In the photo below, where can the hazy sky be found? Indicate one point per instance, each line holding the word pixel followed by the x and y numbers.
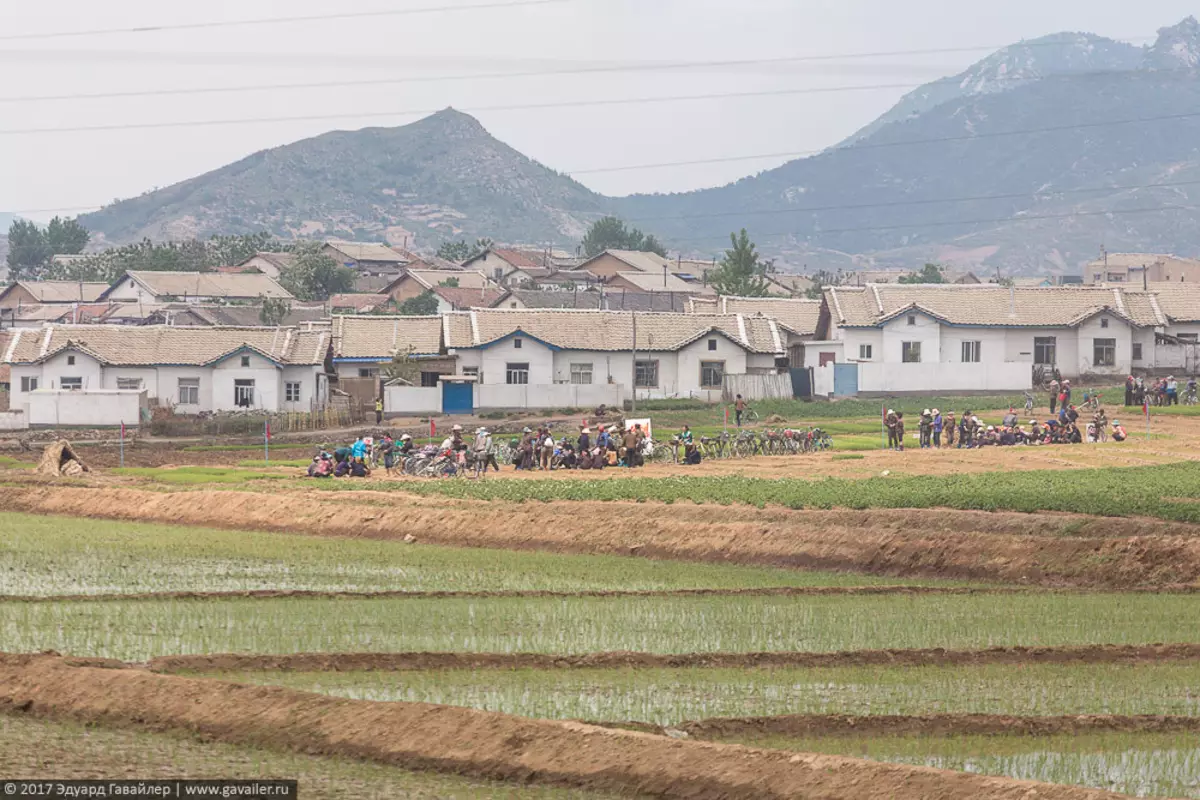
pixel 42 172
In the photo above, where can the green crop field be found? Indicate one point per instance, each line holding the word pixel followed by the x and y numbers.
pixel 1142 765
pixel 674 696
pixel 136 630
pixel 60 555
pixel 1166 491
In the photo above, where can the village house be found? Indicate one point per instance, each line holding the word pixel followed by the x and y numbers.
pixel 368 257
pixel 610 263
pixel 193 287
pixel 661 282
pixel 191 369
pixel 797 319
pixel 457 298
pixel 498 263
pixel 1138 269
pixel 270 264
pixel 415 282
pixel 358 303
pixel 44 293
pixel 364 345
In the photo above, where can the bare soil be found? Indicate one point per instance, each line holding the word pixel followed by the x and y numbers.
pixel 1003 547
pixel 931 657
pixel 479 743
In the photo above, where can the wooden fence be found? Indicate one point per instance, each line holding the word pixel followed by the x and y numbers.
pixel 757 387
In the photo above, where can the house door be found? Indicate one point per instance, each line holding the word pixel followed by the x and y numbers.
pixel 458 398
pixel 826 358
pixel 243 393
pixel 845 380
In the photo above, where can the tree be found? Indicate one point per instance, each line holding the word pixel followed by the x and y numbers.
pixel 450 283
pixel 461 251
pixel 28 253
pixel 822 278
pixel 611 233
pixel 66 237
pixel 930 273
pixel 192 255
pixel 274 310
pixel 403 367
pixel 740 272
pixel 314 275
pixel 423 305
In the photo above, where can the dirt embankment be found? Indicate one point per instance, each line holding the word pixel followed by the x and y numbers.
pixel 803 725
pixel 480 743
pixel 352 662
pixel 1032 549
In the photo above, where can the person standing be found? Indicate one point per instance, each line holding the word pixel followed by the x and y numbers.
pixel 889 422
pixel 1129 391
pixel 938 423
pixel 585 441
pixel 378 410
pixel 739 408
pixel 630 443
pixel 900 431
pixel 925 428
pixel 388 448
pixel 1172 391
pixel 949 427
pixel 1053 394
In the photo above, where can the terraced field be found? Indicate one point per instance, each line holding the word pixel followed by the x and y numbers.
pixel 732 634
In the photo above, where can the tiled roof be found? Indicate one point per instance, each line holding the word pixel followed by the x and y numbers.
pixel 548 298
pixel 640 261
pixel 280 260
pixel 798 316
pixel 160 344
pixel 520 258
pixel 383 336
pixel 608 330
pixel 460 297
pixel 1179 302
pixel 63 291
pixel 358 302
pixel 984 304
pixel 660 282
pixel 467 279
pixel 368 251
pixel 207 284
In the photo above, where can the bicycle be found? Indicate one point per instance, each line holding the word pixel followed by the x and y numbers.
pixel 1028 403
pixel 1091 402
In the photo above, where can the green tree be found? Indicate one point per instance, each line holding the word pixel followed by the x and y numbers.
pixel 461 250
pixel 66 237
pixel 930 273
pixel 193 255
pixel 404 368
pixel 274 310
pixel 28 252
pixel 611 233
pixel 451 283
pixel 314 275
pixel 741 273
pixel 822 278
pixel 423 305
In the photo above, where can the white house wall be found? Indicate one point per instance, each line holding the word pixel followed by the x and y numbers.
pixel 494 360
pixel 85 367
pixel 1091 330
pixel 924 329
pixel 268 386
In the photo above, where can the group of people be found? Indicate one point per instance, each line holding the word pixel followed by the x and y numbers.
pixel 969 431
pixel 355 460
pixel 1162 392
pixel 614 445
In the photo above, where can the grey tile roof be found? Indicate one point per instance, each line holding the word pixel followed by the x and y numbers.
pixel 63 291
pixel 985 304
pixel 798 316
pixel 160 344
pixel 367 251
pixel 384 336
pixel 207 284
pixel 466 278
pixel 662 282
pixel 1178 302
pixel 608 330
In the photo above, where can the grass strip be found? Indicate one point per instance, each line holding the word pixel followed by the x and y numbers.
pixel 1166 491
pixel 138 630
pixel 196 475
pixel 673 696
pixel 65 555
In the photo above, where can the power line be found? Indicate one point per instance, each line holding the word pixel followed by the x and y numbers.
pixel 532 73
pixel 13 37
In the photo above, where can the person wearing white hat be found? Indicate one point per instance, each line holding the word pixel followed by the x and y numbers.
pixel 585 440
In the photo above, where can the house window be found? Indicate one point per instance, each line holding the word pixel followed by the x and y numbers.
pixel 189 391
pixel 29 384
pixel 1104 322
pixel 864 352
pixel 73 384
pixel 1104 352
pixel 1045 350
pixel 910 352
pixel 1187 337
pixel 291 392
pixel 245 361
pixel 70 361
pixel 243 393
pixel 133 384
pixel 471 371
pixel 970 352
pixel 516 344
pixel 912 320
pixel 712 344
pixel 1116 277
pixel 516 374
pixel 712 374
pixel 1096 277
pixel 581 374
pixel 367 372
pixel 645 374
pixel 1137 351
pixel 430 379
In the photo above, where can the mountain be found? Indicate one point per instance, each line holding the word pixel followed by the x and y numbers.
pixel 1029 161
pixel 439 178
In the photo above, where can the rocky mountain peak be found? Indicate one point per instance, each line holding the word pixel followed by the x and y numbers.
pixel 1178 47
pixel 453 124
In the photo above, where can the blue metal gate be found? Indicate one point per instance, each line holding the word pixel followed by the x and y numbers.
pixel 458 397
pixel 845 380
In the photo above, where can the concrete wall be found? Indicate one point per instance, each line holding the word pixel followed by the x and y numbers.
pixel 558 395
pixel 412 400
pixel 88 408
pixel 13 421
pixel 939 377
pixel 1093 329
pixel 823 380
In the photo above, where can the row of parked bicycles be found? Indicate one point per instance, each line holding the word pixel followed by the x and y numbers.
pixel 747 444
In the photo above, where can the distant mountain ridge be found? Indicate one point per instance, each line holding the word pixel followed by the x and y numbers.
pixel 1031 159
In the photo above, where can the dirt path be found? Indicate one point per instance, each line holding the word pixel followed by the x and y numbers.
pixel 927 725
pixel 933 657
pixel 481 743
pixel 1030 549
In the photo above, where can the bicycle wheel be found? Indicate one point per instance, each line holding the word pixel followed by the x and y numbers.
pixel 750 415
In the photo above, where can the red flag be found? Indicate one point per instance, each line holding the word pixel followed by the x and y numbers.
pixel 122 430
pixel 267 430
pixel 432 428
pixel 726 415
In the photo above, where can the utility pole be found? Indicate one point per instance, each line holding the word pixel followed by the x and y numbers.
pixel 633 402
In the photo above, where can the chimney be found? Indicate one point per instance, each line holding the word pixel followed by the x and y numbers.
pixel 1012 301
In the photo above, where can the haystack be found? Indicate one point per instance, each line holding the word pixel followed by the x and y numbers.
pixel 60 459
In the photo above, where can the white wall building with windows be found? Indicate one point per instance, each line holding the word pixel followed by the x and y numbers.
pixel 192 369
